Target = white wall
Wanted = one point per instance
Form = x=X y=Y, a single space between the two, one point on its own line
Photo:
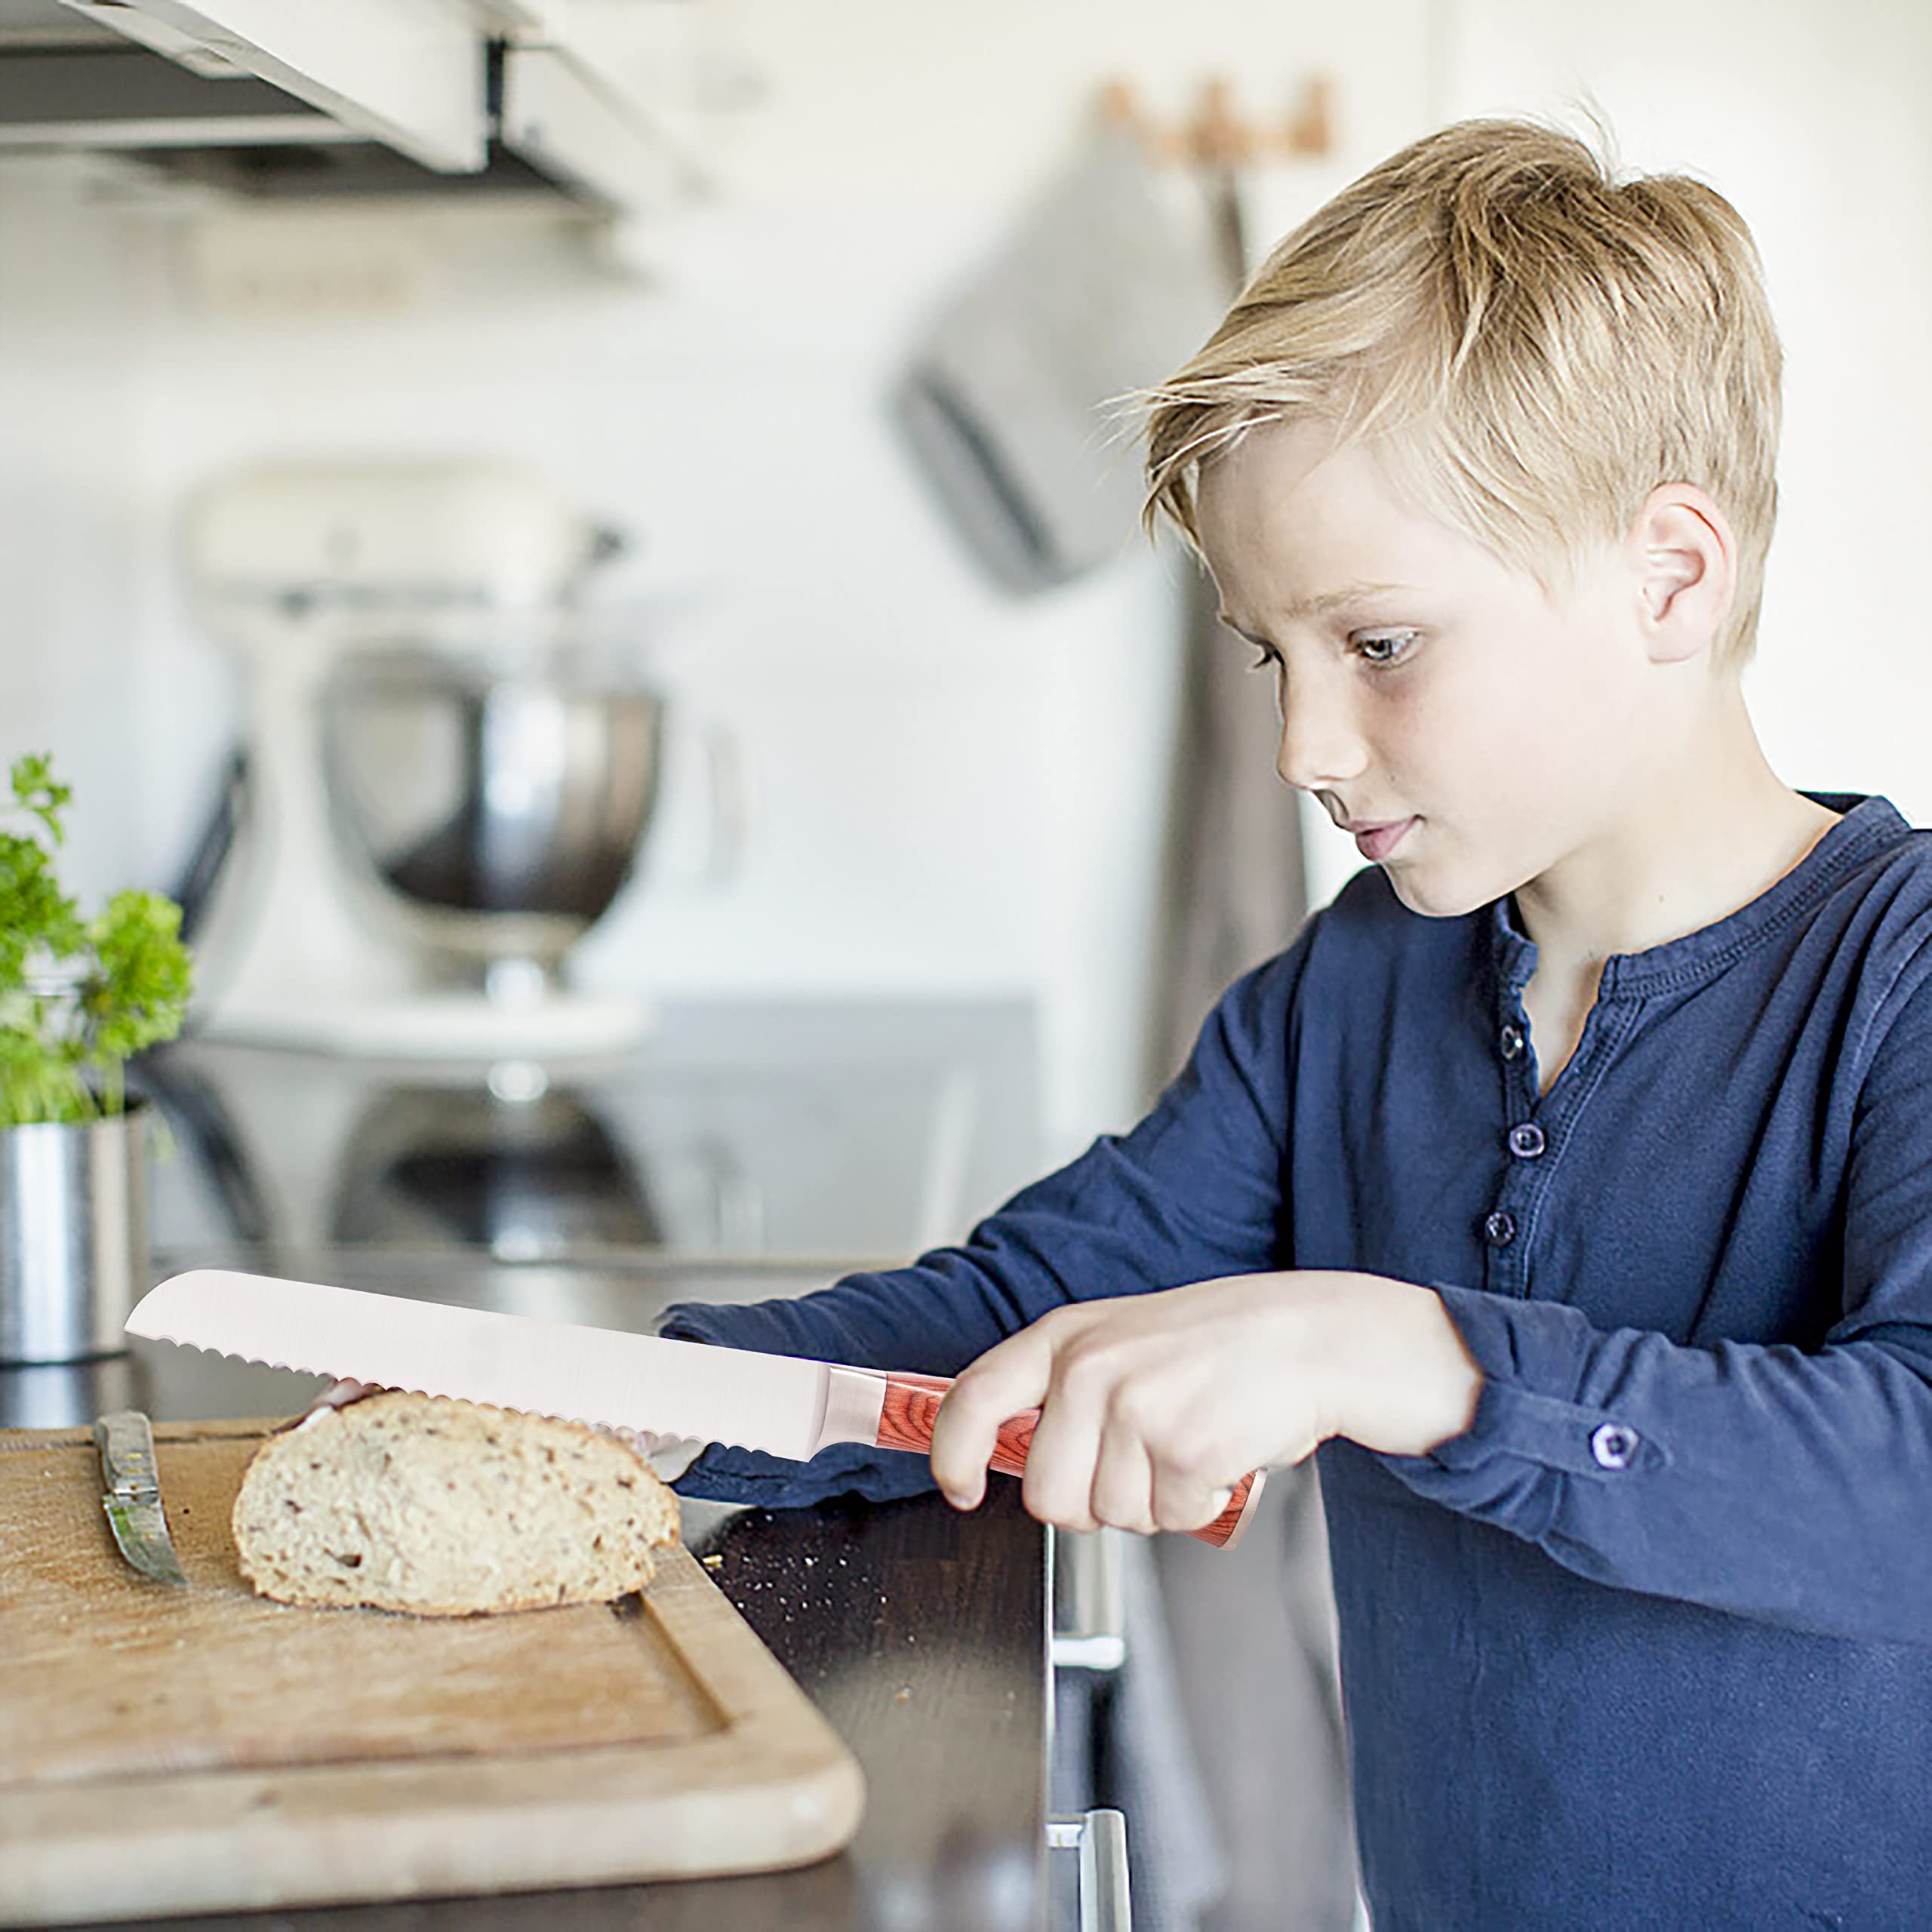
x=957 y=792
x=68 y=509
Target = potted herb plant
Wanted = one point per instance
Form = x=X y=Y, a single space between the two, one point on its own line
x=78 y=997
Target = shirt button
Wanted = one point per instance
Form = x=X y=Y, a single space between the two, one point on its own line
x=1526 y=1142
x=1613 y=1445
x=1499 y=1230
x=1511 y=1042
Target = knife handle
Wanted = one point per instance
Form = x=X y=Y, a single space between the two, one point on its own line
x=911 y=1406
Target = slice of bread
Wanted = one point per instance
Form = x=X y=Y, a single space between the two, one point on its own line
x=444 y=1508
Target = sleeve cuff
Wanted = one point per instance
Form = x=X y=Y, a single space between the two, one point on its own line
x=1528 y=1435
x=723 y=1474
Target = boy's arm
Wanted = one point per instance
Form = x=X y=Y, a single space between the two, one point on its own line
x=1194 y=1189
x=1791 y=1484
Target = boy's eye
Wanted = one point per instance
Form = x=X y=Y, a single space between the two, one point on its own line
x=1379 y=647
x=1384 y=646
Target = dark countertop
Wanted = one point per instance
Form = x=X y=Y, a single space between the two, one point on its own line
x=920 y=1635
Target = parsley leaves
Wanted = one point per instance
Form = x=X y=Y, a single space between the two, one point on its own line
x=78 y=997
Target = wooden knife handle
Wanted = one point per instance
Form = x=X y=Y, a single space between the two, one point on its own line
x=911 y=1404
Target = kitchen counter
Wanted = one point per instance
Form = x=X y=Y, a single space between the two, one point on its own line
x=920 y=1635
x=838 y=1129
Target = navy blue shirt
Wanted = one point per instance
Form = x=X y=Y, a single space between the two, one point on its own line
x=1651 y=1643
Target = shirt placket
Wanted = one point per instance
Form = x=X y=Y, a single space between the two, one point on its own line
x=1534 y=1133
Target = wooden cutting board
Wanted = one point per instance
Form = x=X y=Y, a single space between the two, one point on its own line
x=170 y=1749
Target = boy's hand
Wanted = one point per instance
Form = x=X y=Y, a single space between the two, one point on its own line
x=1154 y=1405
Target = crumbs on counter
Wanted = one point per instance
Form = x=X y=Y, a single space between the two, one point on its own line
x=715 y=1561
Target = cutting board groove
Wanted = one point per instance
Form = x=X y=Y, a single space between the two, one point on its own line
x=164 y=1749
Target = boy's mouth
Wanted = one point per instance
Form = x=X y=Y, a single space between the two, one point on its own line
x=1376 y=841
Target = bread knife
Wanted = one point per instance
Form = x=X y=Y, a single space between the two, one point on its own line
x=132 y=1498
x=785 y=1405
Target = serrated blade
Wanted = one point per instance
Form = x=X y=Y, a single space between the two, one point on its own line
x=783 y=1405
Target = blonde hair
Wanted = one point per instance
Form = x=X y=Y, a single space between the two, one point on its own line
x=1539 y=344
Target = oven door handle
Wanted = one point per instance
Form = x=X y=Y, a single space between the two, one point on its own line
x=1100 y=1838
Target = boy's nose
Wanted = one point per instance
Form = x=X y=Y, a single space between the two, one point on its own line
x=1319 y=748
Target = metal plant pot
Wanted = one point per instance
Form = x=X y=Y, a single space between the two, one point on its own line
x=74 y=1255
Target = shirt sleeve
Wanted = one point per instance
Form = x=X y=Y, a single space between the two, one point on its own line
x=1194 y=1191
x=1790 y=1484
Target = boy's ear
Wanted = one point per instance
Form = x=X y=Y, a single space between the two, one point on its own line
x=1684 y=555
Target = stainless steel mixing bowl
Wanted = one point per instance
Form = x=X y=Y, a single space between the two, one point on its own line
x=497 y=802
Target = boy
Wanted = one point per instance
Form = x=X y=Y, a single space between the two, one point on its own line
x=1567 y=1185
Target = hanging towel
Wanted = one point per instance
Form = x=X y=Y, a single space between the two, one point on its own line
x=1235 y=884
x=1109 y=281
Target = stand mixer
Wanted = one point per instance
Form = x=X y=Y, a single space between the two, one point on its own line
x=452 y=766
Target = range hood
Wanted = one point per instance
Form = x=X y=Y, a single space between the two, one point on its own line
x=279 y=98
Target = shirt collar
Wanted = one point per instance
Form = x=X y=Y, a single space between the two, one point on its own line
x=1870 y=822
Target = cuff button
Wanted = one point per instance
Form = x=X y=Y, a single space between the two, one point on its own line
x=1613 y=1445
